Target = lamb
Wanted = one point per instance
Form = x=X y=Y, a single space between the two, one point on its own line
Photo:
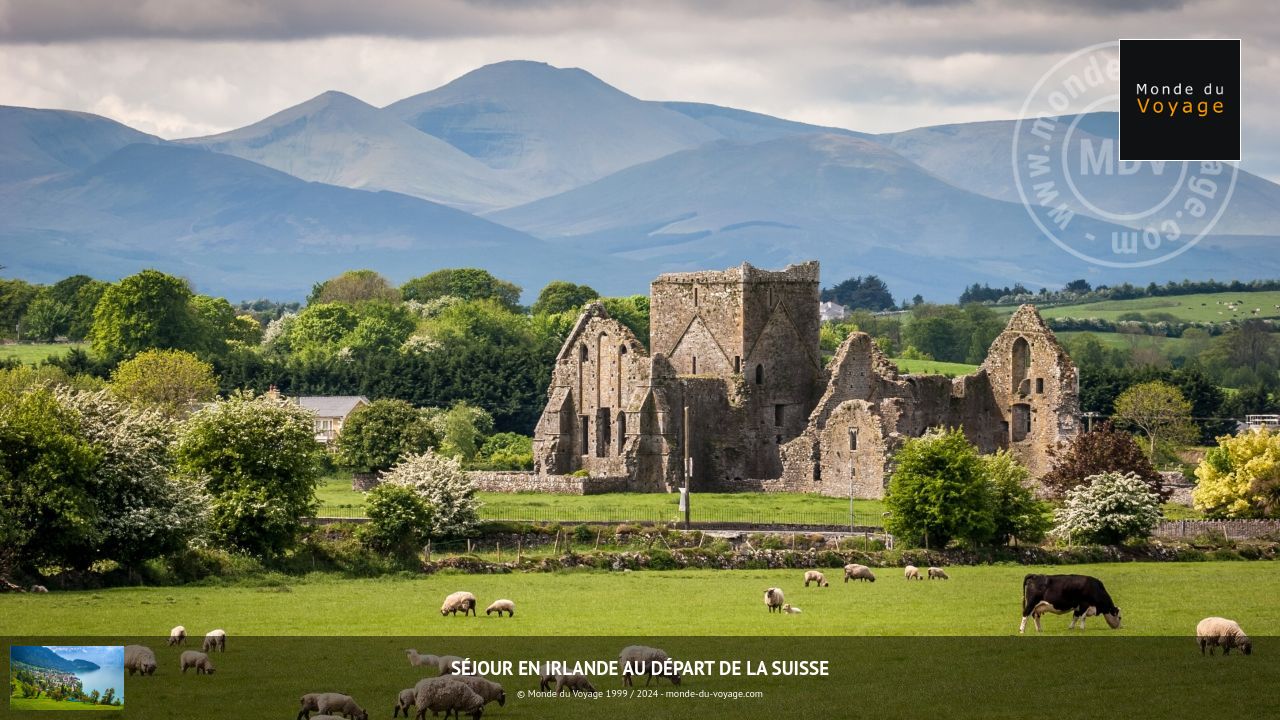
x=39 y=589
x=575 y=683
x=447 y=694
x=331 y=703
x=484 y=687
x=649 y=658
x=403 y=702
x=815 y=576
x=177 y=636
x=416 y=659
x=139 y=659
x=773 y=599
x=1213 y=632
x=215 y=639
x=460 y=601
x=937 y=573
x=911 y=572
x=791 y=609
x=197 y=660
x=858 y=572
x=501 y=606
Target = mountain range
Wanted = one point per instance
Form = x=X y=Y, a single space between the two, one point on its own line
x=540 y=173
x=42 y=657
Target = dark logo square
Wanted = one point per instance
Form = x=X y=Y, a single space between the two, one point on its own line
x=1180 y=100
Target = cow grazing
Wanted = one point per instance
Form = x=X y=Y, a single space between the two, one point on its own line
x=1081 y=595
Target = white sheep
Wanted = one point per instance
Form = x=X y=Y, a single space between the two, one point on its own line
x=911 y=572
x=403 y=702
x=177 y=636
x=815 y=576
x=773 y=599
x=445 y=663
x=331 y=703
x=197 y=660
x=937 y=573
x=648 y=658
x=461 y=601
x=575 y=683
x=854 y=571
x=501 y=606
x=447 y=694
x=416 y=658
x=39 y=589
x=484 y=687
x=1213 y=632
x=139 y=659
x=215 y=640
x=791 y=609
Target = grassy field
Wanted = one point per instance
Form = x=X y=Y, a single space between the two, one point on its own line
x=33 y=353
x=44 y=703
x=1204 y=307
x=934 y=367
x=321 y=634
x=1168 y=346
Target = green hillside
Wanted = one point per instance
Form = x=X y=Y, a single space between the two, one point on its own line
x=933 y=367
x=1204 y=307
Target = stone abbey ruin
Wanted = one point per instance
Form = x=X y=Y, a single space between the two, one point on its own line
x=736 y=352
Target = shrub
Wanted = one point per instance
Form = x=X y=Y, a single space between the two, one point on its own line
x=445 y=490
x=1241 y=477
x=1112 y=508
x=1105 y=449
x=376 y=436
x=1016 y=511
x=399 y=520
x=939 y=492
x=506 y=451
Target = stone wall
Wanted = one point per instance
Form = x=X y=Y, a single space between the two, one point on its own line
x=530 y=481
x=1232 y=529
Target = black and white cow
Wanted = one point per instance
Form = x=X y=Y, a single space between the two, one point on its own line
x=1080 y=595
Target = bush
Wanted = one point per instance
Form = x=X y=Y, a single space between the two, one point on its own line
x=1241 y=477
x=445 y=490
x=1016 y=511
x=1111 y=509
x=1103 y=450
x=505 y=451
x=939 y=492
x=377 y=435
x=399 y=520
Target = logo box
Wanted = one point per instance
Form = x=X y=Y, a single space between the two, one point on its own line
x=1179 y=100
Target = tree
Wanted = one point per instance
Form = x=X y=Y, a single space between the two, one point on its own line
x=1240 y=478
x=171 y=381
x=144 y=311
x=258 y=460
x=353 y=287
x=1159 y=411
x=400 y=521
x=506 y=451
x=939 y=491
x=377 y=435
x=15 y=296
x=632 y=311
x=560 y=296
x=464 y=283
x=1111 y=509
x=320 y=328
x=46 y=318
x=1078 y=286
x=462 y=430
x=1104 y=449
x=1017 y=513
x=869 y=293
x=446 y=491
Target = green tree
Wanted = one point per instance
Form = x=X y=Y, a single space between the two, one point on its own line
x=1104 y=449
x=377 y=435
x=866 y=293
x=939 y=492
x=1159 y=412
x=320 y=328
x=447 y=492
x=353 y=287
x=171 y=381
x=506 y=451
x=83 y=303
x=258 y=460
x=462 y=430
x=15 y=296
x=1240 y=478
x=144 y=311
x=400 y=521
x=632 y=311
x=1111 y=509
x=560 y=296
x=46 y=317
x=464 y=283
x=1016 y=511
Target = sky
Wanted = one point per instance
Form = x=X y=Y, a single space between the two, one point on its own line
x=179 y=68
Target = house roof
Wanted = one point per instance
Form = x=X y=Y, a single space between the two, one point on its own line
x=332 y=406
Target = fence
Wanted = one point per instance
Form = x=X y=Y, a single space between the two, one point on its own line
x=620 y=515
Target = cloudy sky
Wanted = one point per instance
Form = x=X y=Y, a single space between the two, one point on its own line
x=178 y=68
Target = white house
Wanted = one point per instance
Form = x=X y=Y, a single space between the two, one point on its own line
x=331 y=412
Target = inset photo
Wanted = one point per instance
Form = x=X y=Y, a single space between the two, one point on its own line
x=66 y=677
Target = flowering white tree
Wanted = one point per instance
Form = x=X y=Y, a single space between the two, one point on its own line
x=1109 y=509
x=445 y=489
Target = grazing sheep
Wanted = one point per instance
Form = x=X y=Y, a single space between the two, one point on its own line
x=331 y=703
x=773 y=599
x=197 y=660
x=575 y=683
x=139 y=659
x=858 y=572
x=416 y=659
x=460 y=601
x=937 y=573
x=484 y=687
x=177 y=636
x=501 y=606
x=403 y=702
x=545 y=676
x=791 y=609
x=39 y=589
x=215 y=639
x=911 y=572
x=649 y=658
x=1213 y=632
x=447 y=694
x=815 y=576
x=444 y=663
